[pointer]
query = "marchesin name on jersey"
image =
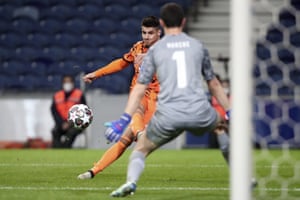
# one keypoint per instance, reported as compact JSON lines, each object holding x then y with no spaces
{"x":182,"y":44}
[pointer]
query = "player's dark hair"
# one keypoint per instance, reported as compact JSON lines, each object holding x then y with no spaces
{"x":150,"y":21}
{"x":172,"y":15}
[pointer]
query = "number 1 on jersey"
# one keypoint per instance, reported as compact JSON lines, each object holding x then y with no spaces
{"x":179,"y":57}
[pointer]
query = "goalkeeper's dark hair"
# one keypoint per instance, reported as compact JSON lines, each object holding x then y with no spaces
{"x":172,"y":15}
{"x":150,"y":21}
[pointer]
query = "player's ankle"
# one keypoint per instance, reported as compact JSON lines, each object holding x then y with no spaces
{"x":92,"y":173}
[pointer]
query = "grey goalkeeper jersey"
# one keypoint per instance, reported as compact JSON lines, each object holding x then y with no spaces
{"x":179,"y":62}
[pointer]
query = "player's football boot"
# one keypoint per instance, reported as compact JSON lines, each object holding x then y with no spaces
{"x":126,"y":189}
{"x":253,"y":183}
{"x":86,"y":175}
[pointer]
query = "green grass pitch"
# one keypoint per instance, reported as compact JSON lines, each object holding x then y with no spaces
{"x":169,"y":175}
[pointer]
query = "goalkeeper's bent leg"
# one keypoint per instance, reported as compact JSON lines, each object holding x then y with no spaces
{"x":136,"y":166}
{"x":223,"y":139}
{"x":111,"y":155}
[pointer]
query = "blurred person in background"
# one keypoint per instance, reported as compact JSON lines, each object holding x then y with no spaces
{"x":63,"y":134}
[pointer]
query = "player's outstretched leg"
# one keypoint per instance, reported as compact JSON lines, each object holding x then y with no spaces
{"x":124,"y":190}
{"x":111,"y":155}
{"x":86,"y":175}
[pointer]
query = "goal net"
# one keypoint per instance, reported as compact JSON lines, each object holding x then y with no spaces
{"x":275,"y":37}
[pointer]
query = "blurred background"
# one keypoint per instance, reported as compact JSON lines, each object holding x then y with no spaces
{"x":42,"y":40}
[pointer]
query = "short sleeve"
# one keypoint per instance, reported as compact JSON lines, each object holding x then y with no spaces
{"x":207,"y":70}
{"x":147,"y":69}
{"x":129,"y":57}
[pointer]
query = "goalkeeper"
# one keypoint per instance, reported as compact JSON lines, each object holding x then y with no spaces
{"x":151,"y":32}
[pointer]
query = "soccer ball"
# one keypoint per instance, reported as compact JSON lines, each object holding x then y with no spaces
{"x":80,"y":116}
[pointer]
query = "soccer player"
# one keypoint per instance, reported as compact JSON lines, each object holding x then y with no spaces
{"x":150,"y":33}
{"x":179,"y":61}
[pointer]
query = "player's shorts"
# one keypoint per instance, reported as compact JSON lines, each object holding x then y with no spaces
{"x":162,"y":129}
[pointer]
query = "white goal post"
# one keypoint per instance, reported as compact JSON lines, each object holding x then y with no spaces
{"x":240,"y":74}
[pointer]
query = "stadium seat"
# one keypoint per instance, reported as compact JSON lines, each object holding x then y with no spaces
{"x":139,"y":11}
{"x":295,"y":76}
{"x":58,"y":12}
{"x":71,"y":67}
{"x":295,"y":4}
{"x":51,"y":26}
{"x":286,"y":56}
{"x":77,"y":26}
{"x":294,"y":113}
{"x":27,"y":82}
{"x":295,"y":39}
{"x":286,"y":91}
{"x":25,"y":25}
{"x":262,"y":51}
{"x":6,"y":12}
{"x":286,"y":131}
{"x":85,"y":53}
{"x":90,"y":12}
{"x":57,"y":69}
{"x":263,"y":89}
{"x":70,"y":3}
{"x":28,"y":53}
{"x":55,"y":53}
{"x":4,"y":81}
{"x":275,"y":72}
{"x":94,"y":65}
{"x":100,"y":83}
{"x":104,"y":26}
{"x":95,"y":40}
{"x":117,"y":12}
{"x":36,"y":3}
{"x":52,"y":83}
{"x":274,"y":35}
{"x":12,"y":40}
{"x":286,"y":18}
{"x":122,"y":40}
{"x":38,"y":68}
{"x":5,"y":26}
{"x":14,"y":67}
{"x":66,"y":40}
{"x":117,"y":84}
{"x":111,"y":52}
{"x":131,"y":26}
{"x":273,"y":110}
{"x":125,"y":3}
{"x":6,"y":53}
{"x":39,"y":40}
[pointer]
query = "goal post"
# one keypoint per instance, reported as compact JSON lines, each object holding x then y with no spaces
{"x":240,"y":74}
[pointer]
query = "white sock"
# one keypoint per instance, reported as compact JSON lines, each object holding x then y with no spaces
{"x":136,"y":166}
{"x":223,"y":140}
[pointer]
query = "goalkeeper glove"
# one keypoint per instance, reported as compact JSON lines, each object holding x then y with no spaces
{"x":115,"y":129}
{"x":227,"y":115}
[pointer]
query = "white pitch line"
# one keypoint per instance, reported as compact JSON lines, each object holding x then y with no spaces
{"x":80,"y":165}
{"x":141,"y":188}
{"x":149,"y":165}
